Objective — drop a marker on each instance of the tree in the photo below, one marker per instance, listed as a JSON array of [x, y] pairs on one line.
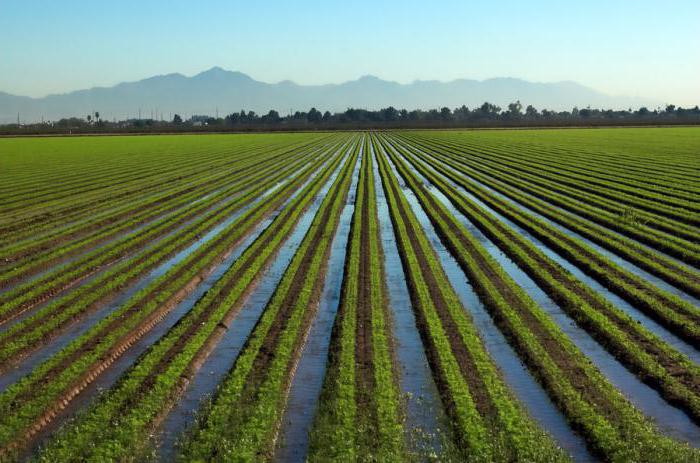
[[515, 109], [314, 116], [97, 115], [488, 110], [445, 113], [531, 112], [415, 115], [177, 120], [272, 117], [462, 113], [389, 114]]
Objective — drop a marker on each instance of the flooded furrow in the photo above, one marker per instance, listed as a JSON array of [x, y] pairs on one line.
[[426, 424], [305, 388], [89, 278], [60, 263], [649, 323], [517, 376], [64, 262], [223, 356], [670, 419], [621, 261], [107, 379], [85, 323]]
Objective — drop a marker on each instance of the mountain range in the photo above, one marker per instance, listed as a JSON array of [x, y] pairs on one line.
[[222, 91]]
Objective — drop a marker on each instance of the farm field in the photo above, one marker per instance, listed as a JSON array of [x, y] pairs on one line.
[[480, 295]]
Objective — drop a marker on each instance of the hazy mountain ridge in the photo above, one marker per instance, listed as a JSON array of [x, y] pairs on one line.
[[232, 91]]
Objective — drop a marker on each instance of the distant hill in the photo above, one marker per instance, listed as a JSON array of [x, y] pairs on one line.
[[232, 91]]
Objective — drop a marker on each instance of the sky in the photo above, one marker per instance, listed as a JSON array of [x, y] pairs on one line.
[[638, 48]]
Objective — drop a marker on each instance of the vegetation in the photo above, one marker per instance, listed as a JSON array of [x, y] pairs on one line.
[[127, 263], [486, 115]]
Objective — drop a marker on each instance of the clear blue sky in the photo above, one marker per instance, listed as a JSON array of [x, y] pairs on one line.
[[645, 48]]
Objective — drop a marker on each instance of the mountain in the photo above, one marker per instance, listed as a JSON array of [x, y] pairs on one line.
[[230, 91]]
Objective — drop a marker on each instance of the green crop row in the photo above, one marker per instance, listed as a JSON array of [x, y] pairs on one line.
[[146, 391], [613, 428], [26, 401], [680, 316], [649, 156], [654, 263], [641, 351], [30, 332], [150, 176], [22, 295], [242, 421], [129, 209], [572, 174], [656, 230], [489, 423], [359, 416], [680, 248]]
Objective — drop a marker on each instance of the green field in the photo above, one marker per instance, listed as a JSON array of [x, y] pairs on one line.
[[481, 295]]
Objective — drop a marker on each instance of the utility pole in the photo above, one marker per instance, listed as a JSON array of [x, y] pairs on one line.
[[17, 119]]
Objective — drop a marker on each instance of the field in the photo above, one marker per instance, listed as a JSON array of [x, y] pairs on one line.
[[493, 295]]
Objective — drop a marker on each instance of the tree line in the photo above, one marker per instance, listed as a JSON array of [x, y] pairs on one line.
[[486, 112], [486, 115]]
